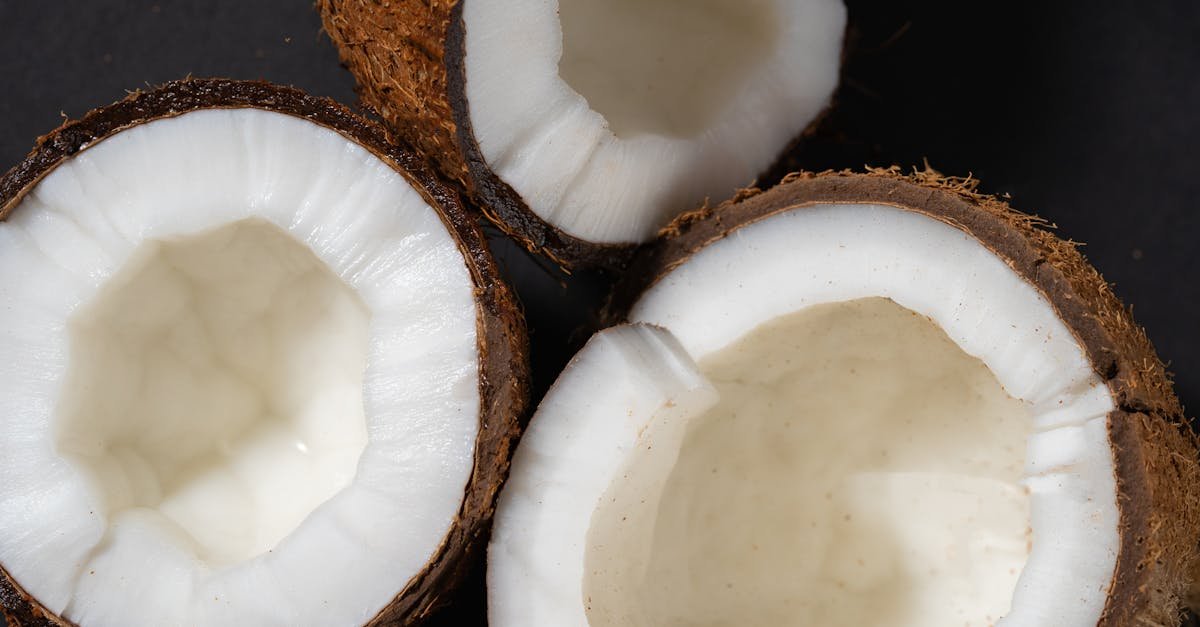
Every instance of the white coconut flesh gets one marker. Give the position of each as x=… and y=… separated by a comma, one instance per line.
x=607, y=118
x=240, y=378
x=840, y=415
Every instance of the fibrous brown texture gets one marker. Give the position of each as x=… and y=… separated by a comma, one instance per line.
x=1155, y=453
x=397, y=51
x=1157, y=480
x=503, y=343
x=22, y=610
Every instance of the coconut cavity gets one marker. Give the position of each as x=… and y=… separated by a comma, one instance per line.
x=216, y=381
x=663, y=67
x=858, y=469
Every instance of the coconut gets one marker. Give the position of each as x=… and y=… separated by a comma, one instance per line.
x=855, y=399
x=583, y=127
x=259, y=368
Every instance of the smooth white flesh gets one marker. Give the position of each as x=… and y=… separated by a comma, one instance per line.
x=797, y=260
x=535, y=565
x=217, y=379
x=859, y=469
x=608, y=118
x=241, y=378
x=662, y=67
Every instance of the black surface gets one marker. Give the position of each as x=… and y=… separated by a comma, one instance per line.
x=1086, y=113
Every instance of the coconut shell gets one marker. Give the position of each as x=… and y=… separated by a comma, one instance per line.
x=408, y=58
x=503, y=342
x=1155, y=452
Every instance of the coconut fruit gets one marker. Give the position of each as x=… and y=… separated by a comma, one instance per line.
x=855, y=399
x=583, y=127
x=259, y=369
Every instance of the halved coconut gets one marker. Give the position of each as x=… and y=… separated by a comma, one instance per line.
x=855, y=400
x=583, y=126
x=258, y=369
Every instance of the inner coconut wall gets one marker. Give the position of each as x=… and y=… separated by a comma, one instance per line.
x=858, y=469
x=217, y=386
x=663, y=67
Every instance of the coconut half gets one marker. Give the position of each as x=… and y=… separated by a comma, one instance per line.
x=259, y=369
x=855, y=399
x=583, y=127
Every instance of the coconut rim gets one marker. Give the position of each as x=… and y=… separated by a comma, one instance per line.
x=1154, y=450
x=504, y=378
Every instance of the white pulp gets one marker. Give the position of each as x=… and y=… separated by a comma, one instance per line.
x=665, y=67
x=240, y=378
x=217, y=381
x=754, y=488
x=859, y=469
x=609, y=118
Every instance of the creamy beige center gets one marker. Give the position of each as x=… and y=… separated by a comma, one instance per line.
x=859, y=470
x=216, y=383
x=662, y=67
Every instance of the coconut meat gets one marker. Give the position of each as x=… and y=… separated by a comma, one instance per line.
x=240, y=378
x=679, y=100
x=671, y=71
x=535, y=565
x=217, y=381
x=885, y=426
x=858, y=469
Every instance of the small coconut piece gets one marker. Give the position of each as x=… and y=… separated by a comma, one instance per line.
x=583, y=127
x=855, y=399
x=259, y=368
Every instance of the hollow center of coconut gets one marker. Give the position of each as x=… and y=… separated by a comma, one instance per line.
x=217, y=380
x=663, y=67
x=856, y=451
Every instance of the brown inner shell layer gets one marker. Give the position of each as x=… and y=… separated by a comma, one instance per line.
x=503, y=342
x=1155, y=453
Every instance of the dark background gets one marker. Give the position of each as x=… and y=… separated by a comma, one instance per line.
x=1087, y=113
